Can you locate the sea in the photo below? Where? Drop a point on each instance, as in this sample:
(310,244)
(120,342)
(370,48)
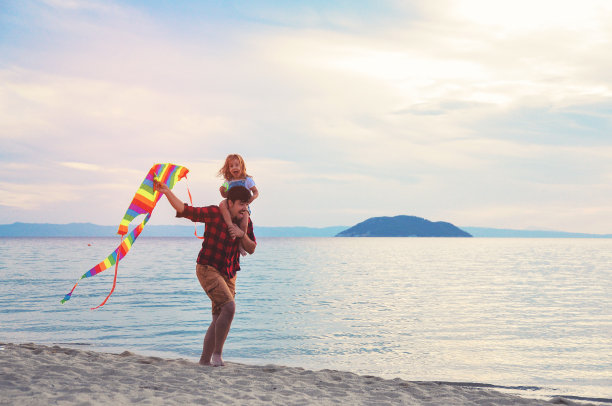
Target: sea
(527,316)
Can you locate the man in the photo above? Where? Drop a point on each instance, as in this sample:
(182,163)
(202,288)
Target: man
(218,261)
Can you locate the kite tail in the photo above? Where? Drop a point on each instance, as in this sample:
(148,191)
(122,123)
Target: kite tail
(112,289)
(144,202)
(112,259)
(69,294)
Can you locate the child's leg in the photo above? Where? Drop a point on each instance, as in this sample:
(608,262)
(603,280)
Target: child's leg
(225,213)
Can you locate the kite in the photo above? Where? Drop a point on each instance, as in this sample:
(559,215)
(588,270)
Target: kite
(144,202)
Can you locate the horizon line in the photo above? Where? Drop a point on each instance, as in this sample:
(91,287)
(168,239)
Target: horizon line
(322,227)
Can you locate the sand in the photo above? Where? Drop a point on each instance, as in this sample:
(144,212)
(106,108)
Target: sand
(32,374)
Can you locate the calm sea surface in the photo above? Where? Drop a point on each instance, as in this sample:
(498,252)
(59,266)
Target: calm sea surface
(532,314)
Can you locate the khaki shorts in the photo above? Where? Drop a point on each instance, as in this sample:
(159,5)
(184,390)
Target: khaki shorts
(219,288)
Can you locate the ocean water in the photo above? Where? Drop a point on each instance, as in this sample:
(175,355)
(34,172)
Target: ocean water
(532,316)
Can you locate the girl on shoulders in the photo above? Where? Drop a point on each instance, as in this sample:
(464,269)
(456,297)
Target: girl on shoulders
(235,174)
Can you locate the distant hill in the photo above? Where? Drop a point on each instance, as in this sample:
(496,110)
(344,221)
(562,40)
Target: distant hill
(508,233)
(403,226)
(56,230)
(94,230)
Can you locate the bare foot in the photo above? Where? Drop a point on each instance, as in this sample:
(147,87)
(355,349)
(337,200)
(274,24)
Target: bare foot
(217,361)
(205,363)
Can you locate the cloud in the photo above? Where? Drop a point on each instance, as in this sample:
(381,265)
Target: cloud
(518,17)
(81,166)
(35,196)
(450,105)
(77,4)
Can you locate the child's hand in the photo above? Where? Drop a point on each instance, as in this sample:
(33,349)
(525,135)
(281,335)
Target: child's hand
(235,231)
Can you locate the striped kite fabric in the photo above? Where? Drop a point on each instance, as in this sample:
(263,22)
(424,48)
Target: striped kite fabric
(146,197)
(144,202)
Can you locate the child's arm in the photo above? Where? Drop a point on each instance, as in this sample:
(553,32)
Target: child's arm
(255,194)
(223,191)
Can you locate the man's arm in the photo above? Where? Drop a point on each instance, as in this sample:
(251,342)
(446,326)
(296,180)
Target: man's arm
(175,202)
(248,244)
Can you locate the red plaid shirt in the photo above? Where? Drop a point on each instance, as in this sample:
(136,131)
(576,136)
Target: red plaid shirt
(219,250)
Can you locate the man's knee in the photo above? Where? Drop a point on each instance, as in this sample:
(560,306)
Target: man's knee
(229,308)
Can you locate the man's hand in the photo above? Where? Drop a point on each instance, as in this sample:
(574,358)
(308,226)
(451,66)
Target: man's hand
(160,187)
(174,201)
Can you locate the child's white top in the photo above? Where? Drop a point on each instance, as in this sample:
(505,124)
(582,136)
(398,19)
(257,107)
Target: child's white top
(248,183)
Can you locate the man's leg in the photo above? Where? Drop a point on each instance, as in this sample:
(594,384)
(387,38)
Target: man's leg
(212,349)
(209,342)
(222,328)
(220,290)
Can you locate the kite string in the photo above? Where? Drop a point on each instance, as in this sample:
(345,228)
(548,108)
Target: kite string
(195,232)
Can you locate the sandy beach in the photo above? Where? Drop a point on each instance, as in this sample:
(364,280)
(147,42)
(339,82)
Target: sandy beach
(32,374)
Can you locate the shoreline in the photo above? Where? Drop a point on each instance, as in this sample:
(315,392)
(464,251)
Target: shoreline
(36,374)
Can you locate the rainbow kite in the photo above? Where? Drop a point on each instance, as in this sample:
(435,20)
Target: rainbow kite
(144,202)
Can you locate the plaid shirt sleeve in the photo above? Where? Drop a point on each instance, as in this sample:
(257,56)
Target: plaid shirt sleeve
(206,214)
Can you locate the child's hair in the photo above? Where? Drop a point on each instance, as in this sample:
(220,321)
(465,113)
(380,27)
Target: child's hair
(225,170)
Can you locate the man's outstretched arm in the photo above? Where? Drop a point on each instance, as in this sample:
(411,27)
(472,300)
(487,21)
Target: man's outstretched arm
(175,202)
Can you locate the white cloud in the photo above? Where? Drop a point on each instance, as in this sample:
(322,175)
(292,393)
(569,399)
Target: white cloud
(81,166)
(466,103)
(520,16)
(80,5)
(35,196)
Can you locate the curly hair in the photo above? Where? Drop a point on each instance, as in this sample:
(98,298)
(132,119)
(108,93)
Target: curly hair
(225,173)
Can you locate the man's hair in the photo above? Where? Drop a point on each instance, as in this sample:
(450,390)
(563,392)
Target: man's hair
(239,193)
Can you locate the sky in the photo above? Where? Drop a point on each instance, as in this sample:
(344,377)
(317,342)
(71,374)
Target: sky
(476,112)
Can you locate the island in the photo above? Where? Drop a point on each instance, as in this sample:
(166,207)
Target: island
(403,226)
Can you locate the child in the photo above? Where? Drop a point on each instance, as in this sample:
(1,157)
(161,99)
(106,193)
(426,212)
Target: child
(234,173)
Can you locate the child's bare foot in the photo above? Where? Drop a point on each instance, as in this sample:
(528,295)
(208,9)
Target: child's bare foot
(243,252)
